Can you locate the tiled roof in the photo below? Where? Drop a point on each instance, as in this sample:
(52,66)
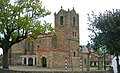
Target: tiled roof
(51,49)
(85,51)
(40,36)
(28,55)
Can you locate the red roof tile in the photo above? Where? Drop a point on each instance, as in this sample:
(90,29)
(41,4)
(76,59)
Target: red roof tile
(51,49)
(28,55)
(41,36)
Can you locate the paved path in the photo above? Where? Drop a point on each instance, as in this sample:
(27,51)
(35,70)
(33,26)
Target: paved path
(35,68)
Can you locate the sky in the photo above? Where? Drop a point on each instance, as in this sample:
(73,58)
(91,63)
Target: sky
(82,7)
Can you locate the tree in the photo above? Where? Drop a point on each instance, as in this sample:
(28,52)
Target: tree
(88,56)
(106,30)
(20,20)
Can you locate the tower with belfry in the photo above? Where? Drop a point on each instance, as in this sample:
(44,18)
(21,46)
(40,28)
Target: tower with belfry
(49,51)
(67,30)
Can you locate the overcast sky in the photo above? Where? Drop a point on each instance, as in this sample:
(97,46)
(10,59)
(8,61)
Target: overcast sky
(82,7)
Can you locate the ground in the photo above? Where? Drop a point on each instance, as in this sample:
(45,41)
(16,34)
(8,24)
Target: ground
(35,68)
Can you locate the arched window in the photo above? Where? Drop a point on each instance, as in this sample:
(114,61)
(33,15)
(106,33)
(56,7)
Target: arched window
(38,46)
(73,20)
(61,20)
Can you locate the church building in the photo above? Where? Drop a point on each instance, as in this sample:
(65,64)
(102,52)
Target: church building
(51,50)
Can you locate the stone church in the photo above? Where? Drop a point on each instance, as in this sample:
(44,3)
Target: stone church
(51,50)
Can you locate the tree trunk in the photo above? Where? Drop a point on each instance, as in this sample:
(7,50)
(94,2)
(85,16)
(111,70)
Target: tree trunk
(100,63)
(117,60)
(5,59)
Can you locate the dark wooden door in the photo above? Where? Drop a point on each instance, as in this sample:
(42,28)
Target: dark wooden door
(44,62)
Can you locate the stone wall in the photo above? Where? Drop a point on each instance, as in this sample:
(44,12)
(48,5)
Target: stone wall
(13,71)
(54,59)
(15,59)
(68,33)
(59,59)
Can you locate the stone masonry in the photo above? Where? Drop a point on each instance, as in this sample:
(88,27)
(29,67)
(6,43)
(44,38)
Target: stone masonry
(51,50)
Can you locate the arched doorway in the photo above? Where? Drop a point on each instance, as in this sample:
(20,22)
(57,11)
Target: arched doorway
(43,62)
(30,61)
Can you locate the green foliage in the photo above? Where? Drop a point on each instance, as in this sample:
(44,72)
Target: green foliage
(106,30)
(21,18)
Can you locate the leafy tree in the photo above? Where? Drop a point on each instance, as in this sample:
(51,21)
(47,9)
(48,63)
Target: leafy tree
(106,31)
(18,21)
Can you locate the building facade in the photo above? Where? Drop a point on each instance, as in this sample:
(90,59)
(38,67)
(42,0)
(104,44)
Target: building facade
(51,50)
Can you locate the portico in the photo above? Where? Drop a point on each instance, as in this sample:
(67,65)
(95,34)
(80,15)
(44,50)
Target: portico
(28,60)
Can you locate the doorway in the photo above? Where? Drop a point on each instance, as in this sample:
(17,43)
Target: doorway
(30,61)
(43,62)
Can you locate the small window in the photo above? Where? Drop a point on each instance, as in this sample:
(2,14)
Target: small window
(61,20)
(74,54)
(73,20)
(85,61)
(75,34)
(38,46)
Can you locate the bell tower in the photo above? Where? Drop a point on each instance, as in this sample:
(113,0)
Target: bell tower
(67,30)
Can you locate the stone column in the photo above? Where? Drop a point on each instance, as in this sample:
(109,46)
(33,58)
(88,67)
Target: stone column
(33,61)
(26,61)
